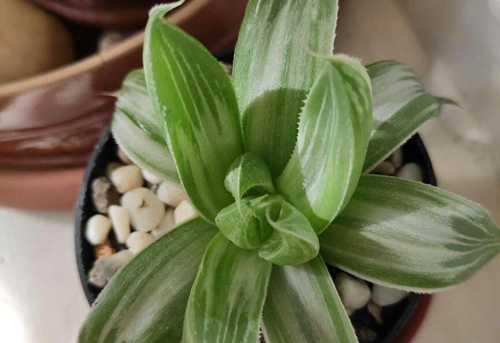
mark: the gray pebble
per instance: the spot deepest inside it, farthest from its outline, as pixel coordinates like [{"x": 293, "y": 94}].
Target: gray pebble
[
  {"x": 411, "y": 171},
  {"x": 104, "y": 194},
  {"x": 105, "y": 267}
]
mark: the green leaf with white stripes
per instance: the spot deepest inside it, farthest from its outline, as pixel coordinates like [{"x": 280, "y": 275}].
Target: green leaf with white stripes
[
  {"x": 274, "y": 68},
  {"x": 244, "y": 222},
  {"x": 196, "y": 100},
  {"x": 146, "y": 300},
  {"x": 409, "y": 235},
  {"x": 303, "y": 306},
  {"x": 227, "y": 298},
  {"x": 400, "y": 106},
  {"x": 249, "y": 173},
  {"x": 335, "y": 125},
  {"x": 293, "y": 240},
  {"x": 139, "y": 131}
]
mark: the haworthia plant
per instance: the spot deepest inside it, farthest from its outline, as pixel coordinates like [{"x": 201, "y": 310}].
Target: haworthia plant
[{"x": 273, "y": 160}]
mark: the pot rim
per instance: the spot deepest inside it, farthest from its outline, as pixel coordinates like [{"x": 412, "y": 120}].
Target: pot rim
[
  {"x": 405, "y": 326},
  {"x": 95, "y": 60},
  {"x": 102, "y": 15}
]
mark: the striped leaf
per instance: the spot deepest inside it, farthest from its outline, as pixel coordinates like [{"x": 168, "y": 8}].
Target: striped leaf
[
  {"x": 145, "y": 302},
  {"x": 303, "y": 306},
  {"x": 226, "y": 301},
  {"x": 410, "y": 236},
  {"x": 293, "y": 240},
  {"x": 274, "y": 68},
  {"x": 195, "y": 98},
  {"x": 400, "y": 106},
  {"x": 282, "y": 234},
  {"x": 139, "y": 131},
  {"x": 244, "y": 222},
  {"x": 334, "y": 128},
  {"x": 248, "y": 173}
]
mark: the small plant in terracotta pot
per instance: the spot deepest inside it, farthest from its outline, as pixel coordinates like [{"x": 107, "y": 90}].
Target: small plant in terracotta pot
[{"x": 275, "y": 160}]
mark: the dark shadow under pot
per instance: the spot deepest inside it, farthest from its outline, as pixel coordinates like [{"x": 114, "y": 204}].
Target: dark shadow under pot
[{"x": 399, "y": 321}]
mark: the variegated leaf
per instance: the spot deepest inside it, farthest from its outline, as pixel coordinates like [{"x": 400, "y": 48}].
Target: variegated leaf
[
  {"x": 145, "y": 302},
  {"x": 335, "y": 125},
  {"x": 139, "y": 131},
  {"x": 303, "y": 306},
  {"x": 274, "y": 68},
  {"x": 293, "y": 240},
  {"x": 226, "y": 301},
  {"x": 195, "y": 98},
  {"x": 400, "y": 106},
  {"x": 248, "y": 173},
  {"x": 409, "y": 235}
]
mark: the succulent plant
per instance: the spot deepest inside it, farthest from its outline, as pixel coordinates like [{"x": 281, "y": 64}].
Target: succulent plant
[{"x": 275, "y": 158}]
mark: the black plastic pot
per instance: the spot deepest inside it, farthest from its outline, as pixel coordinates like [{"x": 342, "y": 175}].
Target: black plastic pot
[{"x": 397, "y": 318}]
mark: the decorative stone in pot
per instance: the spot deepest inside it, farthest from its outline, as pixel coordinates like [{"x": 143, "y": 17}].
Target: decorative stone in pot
[{"x": 275, "y": 164}]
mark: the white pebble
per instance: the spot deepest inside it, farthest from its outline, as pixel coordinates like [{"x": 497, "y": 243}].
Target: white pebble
[
  {"x": 121, "y": 222},
  {"x": 385, "y": 296},
  {"x": 105, "y": 267},
  {"x": 138, "y": 241},
  {"x": 166, "y": 225},
  {"x": 150, "y": 177},
  {"x": 126, "y": 178},
  {"x": 354, "y": 293},
  {"x": 97, "y": 229},
  {"x": 411, "y": 171},
  {"x": 171, "y": 193},
  {"x": 184, "y": 212},
  {"x": 144, "y": 208},
  {"x": 111, "y": 167}
]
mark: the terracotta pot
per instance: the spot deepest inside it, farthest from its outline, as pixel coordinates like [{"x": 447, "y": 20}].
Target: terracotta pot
[
  {"x": 401, "y": 321},
  {"x": 53, "y": 120},
  {"x": 102, "y": 13}
]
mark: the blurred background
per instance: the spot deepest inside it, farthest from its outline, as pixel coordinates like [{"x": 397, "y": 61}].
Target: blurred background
[{"x": 60, "y": 60}]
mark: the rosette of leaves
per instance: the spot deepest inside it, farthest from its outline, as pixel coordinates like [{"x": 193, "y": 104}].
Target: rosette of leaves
[{"x": 276, "y": 159}]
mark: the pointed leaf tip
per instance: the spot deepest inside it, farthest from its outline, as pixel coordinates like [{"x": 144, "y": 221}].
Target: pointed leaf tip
[
  {"x": 407, "y": 235},
  {"x": 334, "y": 129},
  {"x": 400, "y": 106},
  {"x": 195, "y": 99},
  {"x": 273, "y": 70},
  {"x": 138, "y": 130},
  {"x": 160, "y": 10}
]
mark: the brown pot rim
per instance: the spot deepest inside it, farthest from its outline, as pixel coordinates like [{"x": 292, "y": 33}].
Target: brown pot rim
[
  {"x": 102, "y": 15},
  {"x": 98, "y": 59}
]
